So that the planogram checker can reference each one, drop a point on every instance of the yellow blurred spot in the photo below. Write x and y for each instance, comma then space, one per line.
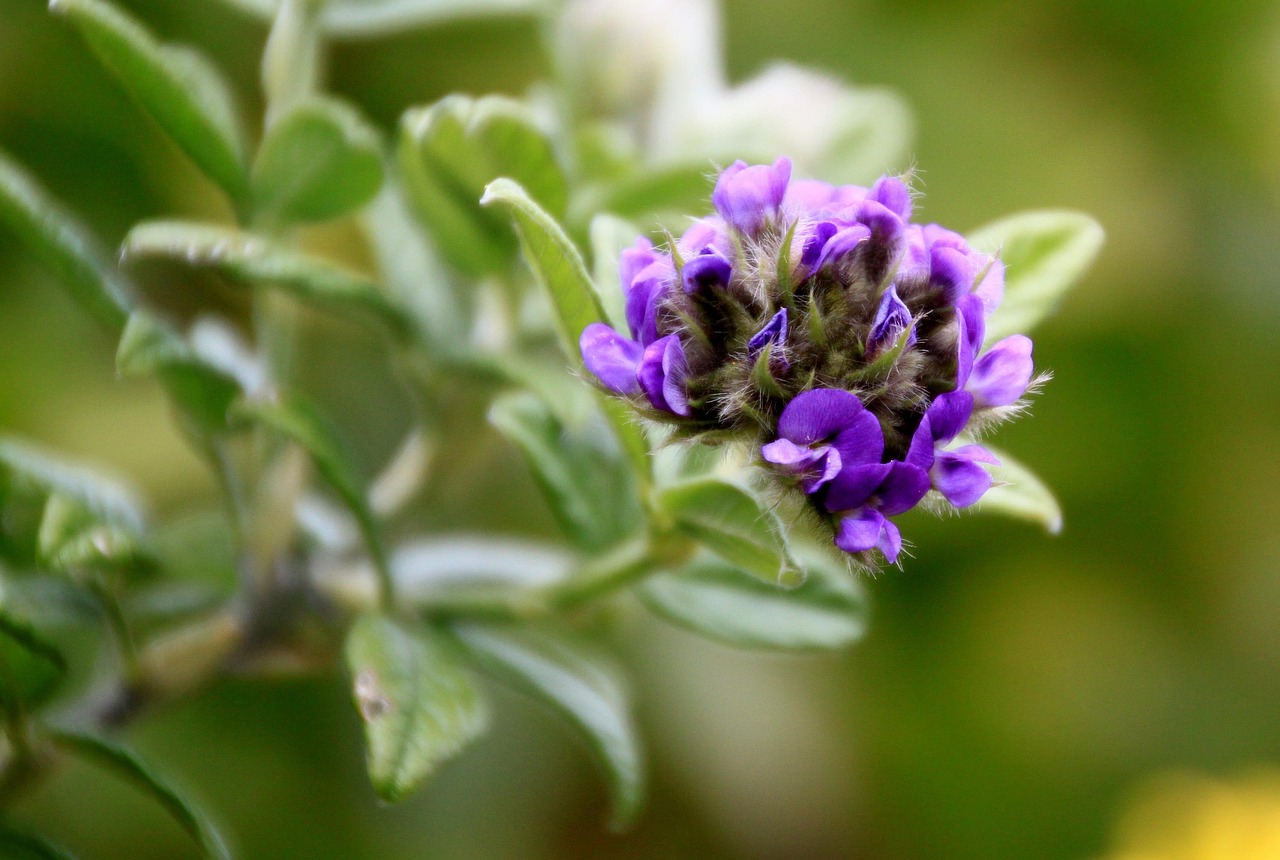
1182, 816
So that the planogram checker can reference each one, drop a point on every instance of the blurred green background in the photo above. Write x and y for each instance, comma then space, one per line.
1014, 689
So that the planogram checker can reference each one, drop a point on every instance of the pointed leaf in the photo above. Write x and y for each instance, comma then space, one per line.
451, 150
555, 262
62, 244
372, 18
733, 524
1044, 254
246, 257
107, 498
71, 539
30, 667
716, 600
319, 160
580, 686
179, 88
125, 764
202, 391
1018, 493
578, 469
418, 705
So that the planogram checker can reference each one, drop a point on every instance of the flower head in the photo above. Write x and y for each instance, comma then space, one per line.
821, 325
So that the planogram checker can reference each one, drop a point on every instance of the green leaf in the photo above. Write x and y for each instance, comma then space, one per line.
62, 244
247, 257
179, 88
125, 764
418, 705
718, 601
450, 151
31, 669
733, 524
581, 687
24, 846
298, 420
578, 469
319, 160
1018, 493
1044, 254
555, 262
415, 275
431, 571
202, 391
107, 498
372, 18
71, 539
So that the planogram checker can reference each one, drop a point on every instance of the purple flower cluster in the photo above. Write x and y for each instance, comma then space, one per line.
820, 324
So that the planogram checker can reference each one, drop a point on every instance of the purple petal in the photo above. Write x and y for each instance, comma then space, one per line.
818, 415
973, 324
645, 295
892, 193
948, 414
634, 260
864, 529
844, 242
939, 236
1003, 373
892, 319
748, 196
861, 442
813, 466
703, 234
815, 242
859, 530
774, 331
914, 262
612, 358
903, 488
883, 222
959, 477
921, 450
952, 271
704, 271
991, 288
855, 486
662, 373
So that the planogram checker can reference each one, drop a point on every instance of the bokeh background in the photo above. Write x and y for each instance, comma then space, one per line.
1017, 695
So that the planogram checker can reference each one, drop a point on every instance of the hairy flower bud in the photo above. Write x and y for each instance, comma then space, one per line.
823, 327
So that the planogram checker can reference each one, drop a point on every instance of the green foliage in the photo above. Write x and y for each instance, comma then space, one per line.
579, 685
23, 846
578, 468
448, 155
1044, 254
1018, 493
418, 706
828, 610
31, 669
319, 160
370, 18
177, 87
732, 523
63, 244
253, 259
204, 393
556, 263
126, 765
